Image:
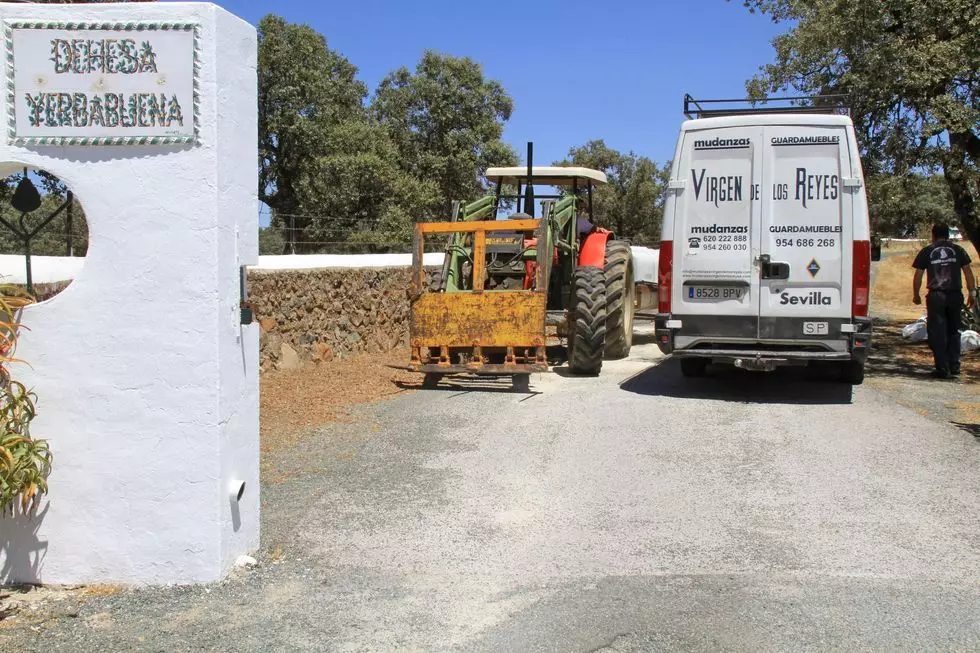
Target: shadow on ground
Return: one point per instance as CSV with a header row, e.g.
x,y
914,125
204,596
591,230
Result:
x,y
466,383
894,357
972,429
726,383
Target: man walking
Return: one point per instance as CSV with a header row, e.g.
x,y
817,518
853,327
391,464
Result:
x,y
943,260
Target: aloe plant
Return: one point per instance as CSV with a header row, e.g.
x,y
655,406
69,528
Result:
x,y
25,462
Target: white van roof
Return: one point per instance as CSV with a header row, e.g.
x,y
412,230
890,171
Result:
x,y
767,119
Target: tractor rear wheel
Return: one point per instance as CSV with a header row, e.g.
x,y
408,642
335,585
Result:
x,y
620,295
587,316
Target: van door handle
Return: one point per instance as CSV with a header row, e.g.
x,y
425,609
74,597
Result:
x,y
773,270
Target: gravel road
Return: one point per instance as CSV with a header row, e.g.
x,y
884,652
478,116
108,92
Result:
x,y
638,511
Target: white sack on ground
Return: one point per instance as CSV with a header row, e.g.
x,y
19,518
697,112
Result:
x,y
916,332
969,340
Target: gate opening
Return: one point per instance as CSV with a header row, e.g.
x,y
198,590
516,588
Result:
x,y
43,231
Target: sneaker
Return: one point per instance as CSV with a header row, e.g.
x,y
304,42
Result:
x,y
955,371
941,374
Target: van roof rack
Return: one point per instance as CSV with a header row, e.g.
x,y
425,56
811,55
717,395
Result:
x,y
832,104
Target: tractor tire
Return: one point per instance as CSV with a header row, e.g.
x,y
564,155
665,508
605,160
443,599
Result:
x,y
587,316
620,297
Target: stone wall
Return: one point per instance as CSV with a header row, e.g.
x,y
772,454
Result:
x,y
309,316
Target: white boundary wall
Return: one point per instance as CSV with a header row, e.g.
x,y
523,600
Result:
x,y
46,269
147,383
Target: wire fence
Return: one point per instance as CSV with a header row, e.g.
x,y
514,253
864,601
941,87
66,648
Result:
x,y
326,234
363,238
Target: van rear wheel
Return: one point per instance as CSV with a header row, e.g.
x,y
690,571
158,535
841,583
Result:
x,y
694,368
852,372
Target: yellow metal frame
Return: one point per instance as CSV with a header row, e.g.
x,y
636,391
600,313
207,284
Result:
x,y
480,322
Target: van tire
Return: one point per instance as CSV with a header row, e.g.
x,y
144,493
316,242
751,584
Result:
x,y
620,295
587,316
852,372
694,368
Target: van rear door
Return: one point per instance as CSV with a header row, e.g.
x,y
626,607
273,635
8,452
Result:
x,y
805,255
716,235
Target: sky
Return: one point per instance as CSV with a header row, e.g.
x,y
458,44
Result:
x,y
577,71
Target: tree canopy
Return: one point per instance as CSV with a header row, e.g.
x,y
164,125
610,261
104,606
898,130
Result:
x,y
631,204
910,71
323,165
336,169
446,120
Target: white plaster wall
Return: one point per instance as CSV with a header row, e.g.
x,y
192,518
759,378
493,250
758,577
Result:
x,y
44,269
312,261
147,384
238,245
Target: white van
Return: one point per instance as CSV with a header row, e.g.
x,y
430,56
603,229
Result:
x,y
765,257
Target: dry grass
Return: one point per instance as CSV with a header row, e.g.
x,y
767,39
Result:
x,y
967,412
297,402
892,292
101,590
893,355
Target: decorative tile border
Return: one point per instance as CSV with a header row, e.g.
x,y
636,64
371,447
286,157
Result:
x,y
13,139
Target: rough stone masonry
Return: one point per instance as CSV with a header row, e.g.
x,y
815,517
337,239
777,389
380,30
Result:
x,y
309,316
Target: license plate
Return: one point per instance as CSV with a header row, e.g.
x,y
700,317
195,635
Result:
x,y
816,328
714,293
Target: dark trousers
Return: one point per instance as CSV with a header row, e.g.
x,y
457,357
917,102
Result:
x,y
944,312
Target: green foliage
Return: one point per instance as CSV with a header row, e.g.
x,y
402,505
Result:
x,y
271,241
25,462
446,121
631,204
314,136
908,204
910,68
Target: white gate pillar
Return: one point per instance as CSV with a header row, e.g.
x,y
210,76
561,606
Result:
x,y
147,379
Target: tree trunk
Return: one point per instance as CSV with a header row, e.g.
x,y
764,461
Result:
x,y
962,183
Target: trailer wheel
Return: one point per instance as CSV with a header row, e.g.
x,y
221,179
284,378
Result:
x,y
620,299
587,316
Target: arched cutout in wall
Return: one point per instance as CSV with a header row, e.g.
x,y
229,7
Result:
x,y
43,231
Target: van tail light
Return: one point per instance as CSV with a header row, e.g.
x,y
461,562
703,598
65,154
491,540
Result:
x,y
665,276
861,280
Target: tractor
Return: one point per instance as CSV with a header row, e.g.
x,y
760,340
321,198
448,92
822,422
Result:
x,y
504,281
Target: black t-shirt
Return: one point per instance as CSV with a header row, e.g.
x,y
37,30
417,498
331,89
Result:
x,y
942,261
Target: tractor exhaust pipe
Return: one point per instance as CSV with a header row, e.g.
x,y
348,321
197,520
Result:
x,y
529,191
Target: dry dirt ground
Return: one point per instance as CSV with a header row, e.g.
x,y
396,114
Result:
x,y
295,403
